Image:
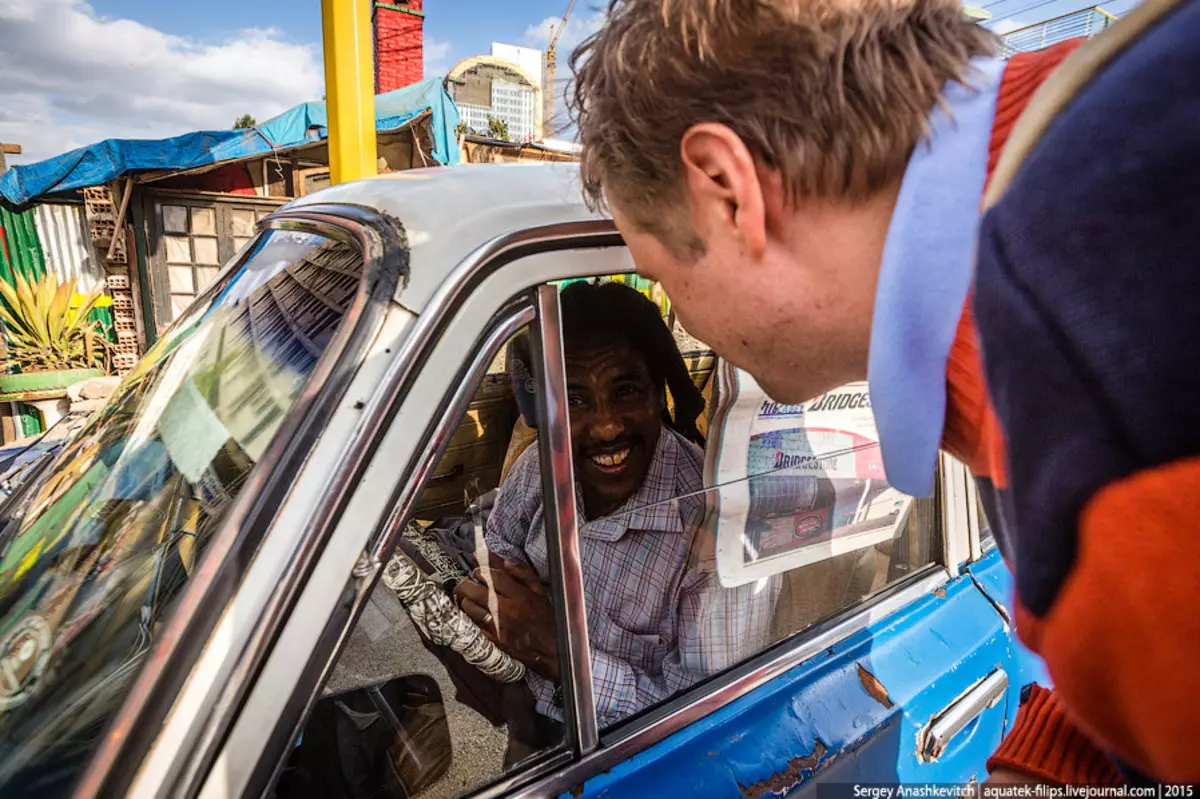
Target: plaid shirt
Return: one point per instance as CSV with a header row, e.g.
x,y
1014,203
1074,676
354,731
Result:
x,y
655,626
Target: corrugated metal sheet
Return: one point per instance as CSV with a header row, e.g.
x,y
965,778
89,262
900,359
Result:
x,y
23,251
66,244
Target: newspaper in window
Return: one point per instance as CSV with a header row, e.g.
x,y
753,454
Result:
x,y
793,484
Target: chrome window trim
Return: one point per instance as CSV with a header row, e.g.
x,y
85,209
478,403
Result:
x,y
562,522
974,523
628,740
956,530
432,320
381,409
132,732
366,572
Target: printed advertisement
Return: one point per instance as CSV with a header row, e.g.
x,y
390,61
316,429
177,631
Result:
x,y
795,484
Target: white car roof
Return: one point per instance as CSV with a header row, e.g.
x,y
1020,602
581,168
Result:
x,y
449,211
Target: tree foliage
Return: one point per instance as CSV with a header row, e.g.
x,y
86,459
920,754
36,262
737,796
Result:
x,y
245,122
497,128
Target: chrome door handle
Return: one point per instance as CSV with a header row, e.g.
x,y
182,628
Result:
x,y
945,725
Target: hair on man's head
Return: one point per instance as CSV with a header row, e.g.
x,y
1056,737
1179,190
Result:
x,y
612,311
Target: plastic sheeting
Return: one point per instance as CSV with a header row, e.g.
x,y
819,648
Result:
x,y
99,163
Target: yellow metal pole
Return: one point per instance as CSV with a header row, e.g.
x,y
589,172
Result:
x,y
349,89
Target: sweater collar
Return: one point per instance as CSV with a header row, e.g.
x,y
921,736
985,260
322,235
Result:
x,y
925,275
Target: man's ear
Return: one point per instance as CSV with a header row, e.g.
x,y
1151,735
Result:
x,y
723,185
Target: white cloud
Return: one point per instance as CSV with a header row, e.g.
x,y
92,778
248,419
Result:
x,y
71,77
437,55
578,28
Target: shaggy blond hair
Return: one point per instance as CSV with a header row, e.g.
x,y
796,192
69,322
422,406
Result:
x,y
833,94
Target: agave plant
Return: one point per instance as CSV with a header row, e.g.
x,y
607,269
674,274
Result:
x,y
47,326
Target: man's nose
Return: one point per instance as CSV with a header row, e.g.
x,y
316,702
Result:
x,y
607,426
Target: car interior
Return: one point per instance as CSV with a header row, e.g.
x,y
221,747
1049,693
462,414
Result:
x,y
410,711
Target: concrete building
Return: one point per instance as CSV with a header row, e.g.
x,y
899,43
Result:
x,y
507,85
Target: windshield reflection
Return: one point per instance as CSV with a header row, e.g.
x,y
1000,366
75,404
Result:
x,y
109,538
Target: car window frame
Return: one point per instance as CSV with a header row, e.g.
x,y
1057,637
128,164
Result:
x,y
586,756
981,546
590,235
959,549
132,733
630,737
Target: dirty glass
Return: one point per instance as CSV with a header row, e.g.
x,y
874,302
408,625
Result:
x,y
175,218
107,542
430,697
714,522
686,579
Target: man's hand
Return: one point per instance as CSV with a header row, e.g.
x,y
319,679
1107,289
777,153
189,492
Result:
x,y
512,609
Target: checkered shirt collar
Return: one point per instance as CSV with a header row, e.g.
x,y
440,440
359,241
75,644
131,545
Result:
x,y
648,508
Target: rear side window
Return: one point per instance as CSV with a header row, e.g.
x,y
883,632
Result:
x,y
113,533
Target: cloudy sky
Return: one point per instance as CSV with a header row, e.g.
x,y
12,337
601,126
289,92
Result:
x,y
73,72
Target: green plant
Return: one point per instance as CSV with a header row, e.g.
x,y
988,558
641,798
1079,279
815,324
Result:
x,y
497,128
47,327
244,122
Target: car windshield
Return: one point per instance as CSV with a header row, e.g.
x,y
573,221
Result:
x,y
106,542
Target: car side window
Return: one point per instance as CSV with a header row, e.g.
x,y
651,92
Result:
x,y
680,581
429,698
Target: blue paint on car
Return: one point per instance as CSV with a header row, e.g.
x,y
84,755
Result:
x,y
857,713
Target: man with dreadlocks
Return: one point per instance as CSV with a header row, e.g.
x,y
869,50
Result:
x,y
655,625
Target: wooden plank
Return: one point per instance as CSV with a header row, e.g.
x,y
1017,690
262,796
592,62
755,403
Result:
x,y
10,149
135,288
119,231
8,422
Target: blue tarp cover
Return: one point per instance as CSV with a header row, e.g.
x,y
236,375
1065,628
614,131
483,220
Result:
x,y
99,163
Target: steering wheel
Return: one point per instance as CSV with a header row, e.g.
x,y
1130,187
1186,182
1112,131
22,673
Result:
x,y
443,623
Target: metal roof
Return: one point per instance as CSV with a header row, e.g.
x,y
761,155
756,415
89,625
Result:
x,y
67,244
449,211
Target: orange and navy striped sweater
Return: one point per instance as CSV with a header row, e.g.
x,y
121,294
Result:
x,y
1084,309
1044,741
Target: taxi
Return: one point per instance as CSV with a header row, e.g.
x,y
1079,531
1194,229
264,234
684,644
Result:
x,y
239,578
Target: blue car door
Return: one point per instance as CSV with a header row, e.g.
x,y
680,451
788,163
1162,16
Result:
x,y
911,685
992,576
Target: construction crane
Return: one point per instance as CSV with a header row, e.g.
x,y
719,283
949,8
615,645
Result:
x,y
548,122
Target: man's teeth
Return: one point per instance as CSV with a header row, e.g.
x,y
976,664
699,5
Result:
x,y
612,458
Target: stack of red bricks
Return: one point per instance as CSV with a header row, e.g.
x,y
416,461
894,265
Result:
x,y
399,44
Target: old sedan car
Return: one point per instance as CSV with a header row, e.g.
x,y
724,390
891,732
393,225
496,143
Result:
x,y
237,579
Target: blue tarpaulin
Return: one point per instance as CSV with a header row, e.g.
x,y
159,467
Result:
x,y
99,163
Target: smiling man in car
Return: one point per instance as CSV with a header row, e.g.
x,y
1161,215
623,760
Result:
x,y
655,626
